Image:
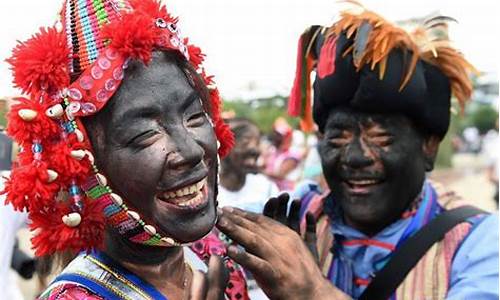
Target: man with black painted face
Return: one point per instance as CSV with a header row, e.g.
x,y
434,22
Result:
x,y
383,231
241,185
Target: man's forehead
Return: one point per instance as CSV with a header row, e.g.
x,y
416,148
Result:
x,y
344,117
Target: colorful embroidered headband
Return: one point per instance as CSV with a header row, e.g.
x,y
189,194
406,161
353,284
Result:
x,y
55,178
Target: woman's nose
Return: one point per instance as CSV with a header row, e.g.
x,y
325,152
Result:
x,y
188,154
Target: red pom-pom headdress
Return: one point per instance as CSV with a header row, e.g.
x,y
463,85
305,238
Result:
x,y
55,178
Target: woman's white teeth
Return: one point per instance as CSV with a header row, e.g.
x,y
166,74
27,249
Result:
x,y
189,190
193,202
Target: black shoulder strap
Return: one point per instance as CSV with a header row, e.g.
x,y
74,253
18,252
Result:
x,y
388,279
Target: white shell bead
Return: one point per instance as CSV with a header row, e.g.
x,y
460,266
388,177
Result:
x,y
55,111
134,215
150,229
168,241
52,175
90,156
79,135
72,219
117,199
27,114
102,179
78,154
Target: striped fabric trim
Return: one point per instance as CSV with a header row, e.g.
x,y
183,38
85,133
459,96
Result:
x,y
369,243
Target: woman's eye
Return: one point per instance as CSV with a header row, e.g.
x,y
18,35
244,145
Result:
x,y
196,120
144,138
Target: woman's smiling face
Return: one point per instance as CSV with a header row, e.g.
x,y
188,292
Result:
x,y
157,147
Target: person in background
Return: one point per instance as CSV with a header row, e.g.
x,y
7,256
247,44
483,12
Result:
x,y
241,185
11,256
281,161
490,152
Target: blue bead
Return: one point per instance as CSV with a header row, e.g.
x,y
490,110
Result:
x,y
37,148
69,127
74,190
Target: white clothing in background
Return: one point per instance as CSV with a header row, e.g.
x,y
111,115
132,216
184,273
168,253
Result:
x,y
252,197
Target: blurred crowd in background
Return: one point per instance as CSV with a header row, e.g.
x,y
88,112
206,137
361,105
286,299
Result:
x,y
273,155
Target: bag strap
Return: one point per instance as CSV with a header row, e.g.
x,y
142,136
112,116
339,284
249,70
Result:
x,y
388,279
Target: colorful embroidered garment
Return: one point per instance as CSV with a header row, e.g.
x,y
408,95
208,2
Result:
x,y
213,245
97,276
459,265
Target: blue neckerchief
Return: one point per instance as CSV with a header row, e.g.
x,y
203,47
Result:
x,y
341,270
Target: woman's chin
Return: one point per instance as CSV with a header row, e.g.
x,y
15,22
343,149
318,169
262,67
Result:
x,y
193,230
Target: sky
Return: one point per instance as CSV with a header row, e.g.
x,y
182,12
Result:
x,y
251,45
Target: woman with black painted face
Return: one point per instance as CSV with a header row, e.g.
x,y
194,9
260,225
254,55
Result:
x,y
121,139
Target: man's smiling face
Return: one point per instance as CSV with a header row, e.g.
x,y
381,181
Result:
x,y
374,164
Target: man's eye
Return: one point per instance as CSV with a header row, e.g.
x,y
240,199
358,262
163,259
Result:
x,y
339,137
382,140
196,120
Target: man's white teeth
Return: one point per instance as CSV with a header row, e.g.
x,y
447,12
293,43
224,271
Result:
x,y
362,182
189,190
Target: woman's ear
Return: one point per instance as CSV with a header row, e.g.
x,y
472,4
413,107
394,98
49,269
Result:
x,y
430,149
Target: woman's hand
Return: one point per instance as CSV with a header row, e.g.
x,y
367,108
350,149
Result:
x,y
279,260
210,286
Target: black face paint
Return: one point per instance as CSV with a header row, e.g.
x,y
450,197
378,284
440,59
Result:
x,y
154,137
246,151
374,165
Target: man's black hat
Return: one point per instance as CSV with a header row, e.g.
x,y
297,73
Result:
x,y
368,64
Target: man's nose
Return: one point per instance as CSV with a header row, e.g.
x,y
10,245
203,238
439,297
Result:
x,y
357,155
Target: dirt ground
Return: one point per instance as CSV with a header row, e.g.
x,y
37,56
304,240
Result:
x,y
467,178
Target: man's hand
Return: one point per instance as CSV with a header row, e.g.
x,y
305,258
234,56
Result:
x,y
279,260
276,208
210,286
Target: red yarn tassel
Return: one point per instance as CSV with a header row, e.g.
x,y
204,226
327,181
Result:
x,y
299,103
296,96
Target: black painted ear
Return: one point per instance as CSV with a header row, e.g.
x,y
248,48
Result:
x,y
430,149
